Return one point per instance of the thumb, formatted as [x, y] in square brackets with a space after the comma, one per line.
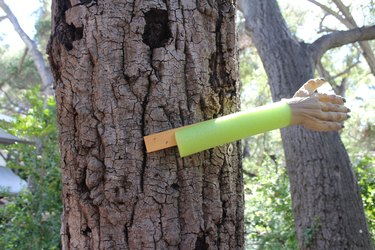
[309, 87]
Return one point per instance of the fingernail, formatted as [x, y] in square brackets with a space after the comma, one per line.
[349, 110]
[342, 126]
[348, 116]
[344, 99]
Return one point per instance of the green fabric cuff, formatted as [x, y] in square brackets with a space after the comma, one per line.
[233, 127]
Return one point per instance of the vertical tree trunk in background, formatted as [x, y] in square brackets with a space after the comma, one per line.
[125, 69]
[37, 57]
[326, 200]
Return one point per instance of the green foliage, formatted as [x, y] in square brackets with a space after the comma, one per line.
[365, 172]
[268, 215]
[359, 137]
[32, 219]
[43, 25]
[17, 74]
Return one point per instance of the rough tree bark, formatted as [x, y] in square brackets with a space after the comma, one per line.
[326, 200]
[125, 69]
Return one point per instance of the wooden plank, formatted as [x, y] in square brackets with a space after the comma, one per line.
[159, 141]
[162, 140]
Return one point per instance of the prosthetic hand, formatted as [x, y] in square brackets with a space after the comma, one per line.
[317, 111]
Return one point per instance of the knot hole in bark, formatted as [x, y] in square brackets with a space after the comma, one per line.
[201, 244]
[68, 33]
[157, 31]
[175, 186]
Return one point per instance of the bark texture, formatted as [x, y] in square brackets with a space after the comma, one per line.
[125, 69]
[327, 205]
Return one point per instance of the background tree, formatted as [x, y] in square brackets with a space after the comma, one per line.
[326, 202]
[125, 69]
[26, 68]
[37, 57]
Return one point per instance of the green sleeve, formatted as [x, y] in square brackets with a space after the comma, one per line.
[233, 127]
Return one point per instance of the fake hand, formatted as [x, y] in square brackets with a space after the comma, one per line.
[317, 111]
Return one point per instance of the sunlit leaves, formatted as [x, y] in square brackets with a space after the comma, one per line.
[32, 219]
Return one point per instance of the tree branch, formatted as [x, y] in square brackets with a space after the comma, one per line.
[340, 38]
[330, 11]
[347, 19]
[338, 88]
[36, 55]
[367, 51]
[345, 11]
[3, 18]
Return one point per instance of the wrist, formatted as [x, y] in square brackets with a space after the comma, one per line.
[296, 105]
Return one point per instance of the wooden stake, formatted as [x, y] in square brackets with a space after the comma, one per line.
[162, 140]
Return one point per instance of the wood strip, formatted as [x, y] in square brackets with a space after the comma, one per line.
[162, 140]
[159, 141]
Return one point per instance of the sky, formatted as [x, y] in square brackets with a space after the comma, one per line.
[24, 10]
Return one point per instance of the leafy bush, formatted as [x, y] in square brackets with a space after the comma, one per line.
[32, 218]
[365, 172]
[268, 215]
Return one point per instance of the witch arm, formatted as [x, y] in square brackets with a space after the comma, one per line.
[315, 111]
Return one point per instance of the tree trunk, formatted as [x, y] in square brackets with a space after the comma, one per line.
[327, 206]
[126, 69]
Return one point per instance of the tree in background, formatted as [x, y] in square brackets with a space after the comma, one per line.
[326, 200]
[37, 57]
[23, 70]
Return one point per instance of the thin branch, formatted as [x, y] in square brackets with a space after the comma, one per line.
[346, 12]
[3, 18]
[338, 88]
[22, 61]
[367, 51]
[36, 55]
[323, 72]
[347, 70]
[330, 11]
[321, 25]
[340, 38]
[10, 100]
[249, 174]
[347, 19]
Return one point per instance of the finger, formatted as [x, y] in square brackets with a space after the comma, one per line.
[333, 116]
[309, 87]
[329, 107]
[331, 98]
[324, 126]
[330, 126]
